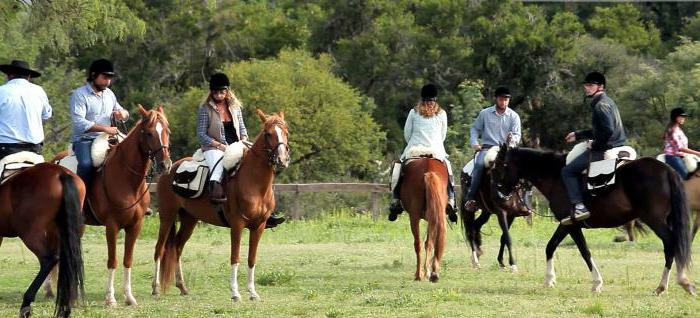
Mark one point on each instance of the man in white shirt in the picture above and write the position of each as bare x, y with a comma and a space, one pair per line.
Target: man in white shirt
23, 108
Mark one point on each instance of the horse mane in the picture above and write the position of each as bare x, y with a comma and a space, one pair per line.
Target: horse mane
274, 119
151, 117
538, 161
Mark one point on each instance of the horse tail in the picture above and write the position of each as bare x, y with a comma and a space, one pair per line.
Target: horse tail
679, 221
69, 221
168, 261
435, 202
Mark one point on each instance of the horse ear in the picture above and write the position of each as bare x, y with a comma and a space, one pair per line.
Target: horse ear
261, 114
281, 114
142, 110
160, 108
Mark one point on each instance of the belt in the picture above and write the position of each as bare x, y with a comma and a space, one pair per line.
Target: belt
21, 146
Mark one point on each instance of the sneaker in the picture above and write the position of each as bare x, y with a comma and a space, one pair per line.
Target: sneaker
395, 208
578, 215
471, 206
274, 221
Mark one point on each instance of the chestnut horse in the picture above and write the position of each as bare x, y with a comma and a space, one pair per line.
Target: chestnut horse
119, 194
42, 206
423, 194
506, 210
250, 202
645, 188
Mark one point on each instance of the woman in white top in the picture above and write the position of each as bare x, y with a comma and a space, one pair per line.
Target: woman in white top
426, 126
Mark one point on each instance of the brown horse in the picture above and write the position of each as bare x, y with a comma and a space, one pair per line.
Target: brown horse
424, 195
644, 189
506, 210
118, 196
249, 205
42, 206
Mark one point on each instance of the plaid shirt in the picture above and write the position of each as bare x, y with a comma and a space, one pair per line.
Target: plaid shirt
203, 127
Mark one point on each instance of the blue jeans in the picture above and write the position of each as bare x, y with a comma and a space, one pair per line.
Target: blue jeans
571, 174
676, 162
83, 152
477, 174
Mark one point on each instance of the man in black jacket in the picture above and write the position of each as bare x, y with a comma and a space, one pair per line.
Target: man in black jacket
607, 133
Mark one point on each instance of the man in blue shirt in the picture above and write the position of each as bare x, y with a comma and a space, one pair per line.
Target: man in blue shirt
493, 125
23, 108
92, 107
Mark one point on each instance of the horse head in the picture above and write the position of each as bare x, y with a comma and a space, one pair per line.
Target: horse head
275, 139
505, 174
154, 137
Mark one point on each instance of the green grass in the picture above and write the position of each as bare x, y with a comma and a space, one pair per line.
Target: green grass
343, 265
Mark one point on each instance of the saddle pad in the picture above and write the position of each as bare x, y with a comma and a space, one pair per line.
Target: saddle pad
489, 161
690, 161
100, 148
601, 173
15, 162
190, 178
233, 155
10, 169
419, 151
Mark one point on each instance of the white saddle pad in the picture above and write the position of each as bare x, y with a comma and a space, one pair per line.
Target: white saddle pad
489, 160
100, 147
191, 176
419, 151
15, 162
233, 155
601, 173
690, 161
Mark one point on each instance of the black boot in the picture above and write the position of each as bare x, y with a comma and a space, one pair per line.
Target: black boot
451, 211
395, 208
216, 192
274, 221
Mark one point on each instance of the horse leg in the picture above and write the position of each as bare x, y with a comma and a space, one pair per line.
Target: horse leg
580, 240
415, 230
664, 234
47, 260
111, 232
505, 238
254, 239
235, 260
478, 223
187, 225
48, 290
131, 234
696, 226
167, 222
550, 278
504, 224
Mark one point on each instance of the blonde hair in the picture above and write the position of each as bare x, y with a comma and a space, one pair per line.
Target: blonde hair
428, 108
230, 99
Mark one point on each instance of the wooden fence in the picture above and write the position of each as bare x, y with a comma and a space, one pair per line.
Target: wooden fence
375, 190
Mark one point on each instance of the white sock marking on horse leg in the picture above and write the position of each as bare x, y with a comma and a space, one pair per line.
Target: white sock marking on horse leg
663, 284
155, 286
475, 260
684, 281
597, 278
129, 297
550, 277
251, 283
109, 297
235, 295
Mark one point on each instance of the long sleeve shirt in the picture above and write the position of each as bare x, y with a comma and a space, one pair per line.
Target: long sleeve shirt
427, 132
674, 141
87, 109
205, 122
493, 128
607, 131
23, 108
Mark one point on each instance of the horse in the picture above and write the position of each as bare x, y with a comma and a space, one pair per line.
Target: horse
42, 206
118, 196
423, 193
250, 203
506, 210
644, 189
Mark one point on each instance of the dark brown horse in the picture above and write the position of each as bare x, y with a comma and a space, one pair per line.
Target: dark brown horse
506, 210
42, 206
249, 205
423, 194
645, 189
118, 195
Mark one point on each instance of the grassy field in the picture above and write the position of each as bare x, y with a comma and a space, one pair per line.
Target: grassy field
345, 265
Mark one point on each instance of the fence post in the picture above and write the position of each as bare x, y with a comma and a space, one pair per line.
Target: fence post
374, 198
296, 211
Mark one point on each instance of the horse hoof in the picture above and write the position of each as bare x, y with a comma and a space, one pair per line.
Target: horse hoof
513, 268
501, 267
184, 292
658, 291
597, 287
110, 303
236, 298
620, 238
130, 301
254, 297
155, 293
434, 277
25, 312
50, 295
690, 288
549, 283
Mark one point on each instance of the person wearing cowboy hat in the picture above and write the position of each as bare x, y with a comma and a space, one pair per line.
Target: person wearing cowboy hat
676, 143
23, 108
607, 133
219, 124
426, 126
92, 107
494, 125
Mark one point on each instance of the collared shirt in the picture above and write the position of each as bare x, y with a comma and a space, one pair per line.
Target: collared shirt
203, 122
23, 107
87, 109
426, 132
493, 128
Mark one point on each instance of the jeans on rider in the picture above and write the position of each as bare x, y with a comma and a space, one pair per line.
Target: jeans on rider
477, 174
83, 153
571, 174
676, 162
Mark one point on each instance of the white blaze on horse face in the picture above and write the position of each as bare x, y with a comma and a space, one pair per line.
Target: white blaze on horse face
235, 295
159, 129
283, 155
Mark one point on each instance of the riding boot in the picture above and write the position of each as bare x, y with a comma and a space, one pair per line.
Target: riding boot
274, 221
216, 192
450, 209
395, 207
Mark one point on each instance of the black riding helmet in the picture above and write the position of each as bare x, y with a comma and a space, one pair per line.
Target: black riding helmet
429, 92
594, 78
678, 111
502, 91
218, 81
101, 66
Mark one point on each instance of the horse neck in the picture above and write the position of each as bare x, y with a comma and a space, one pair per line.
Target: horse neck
545, 176
128, 155
255, 166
